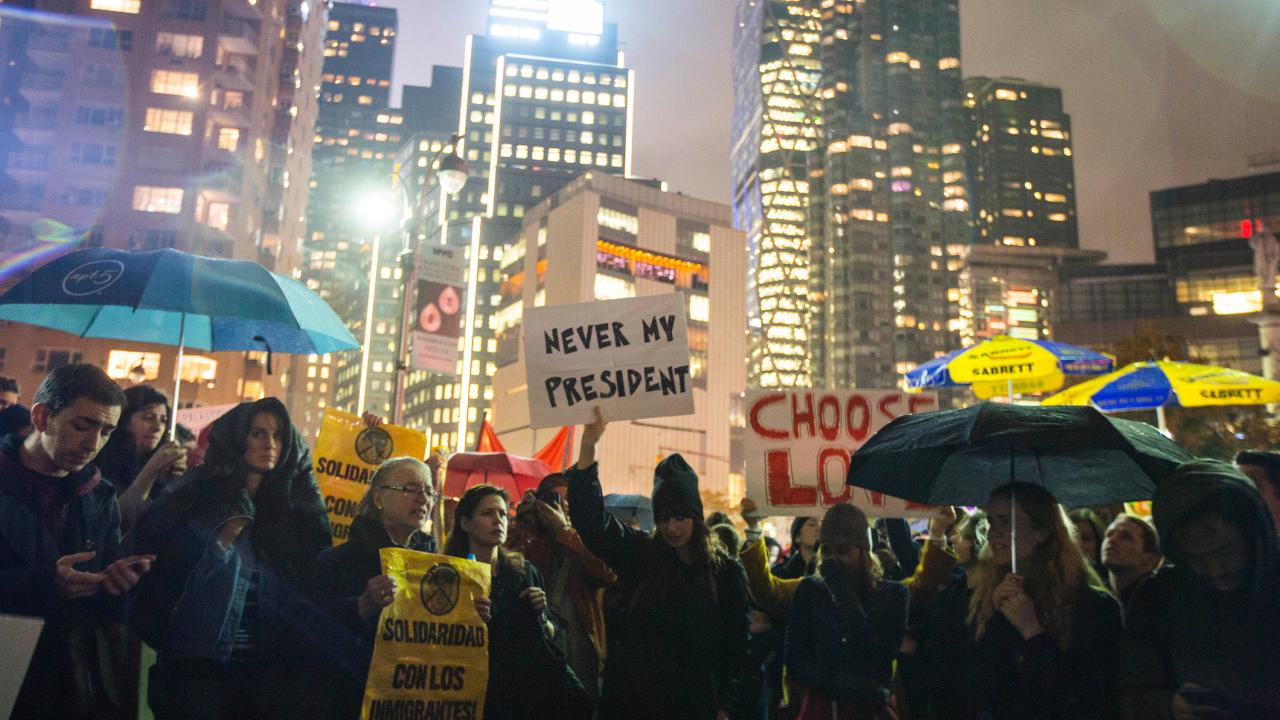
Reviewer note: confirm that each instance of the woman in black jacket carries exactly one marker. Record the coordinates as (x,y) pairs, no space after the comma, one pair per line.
(137,459)
(348,581)
(679,623)
(230,538)
(1041,643)
(529,676)
(845,626)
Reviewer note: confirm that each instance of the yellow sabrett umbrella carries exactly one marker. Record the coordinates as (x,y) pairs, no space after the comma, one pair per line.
(1157,384)
(1005,365)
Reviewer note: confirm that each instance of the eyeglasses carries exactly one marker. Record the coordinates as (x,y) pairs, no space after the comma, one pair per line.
(412,490)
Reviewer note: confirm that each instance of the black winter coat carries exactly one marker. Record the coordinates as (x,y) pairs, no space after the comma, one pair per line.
(1015,679)
(63,679)
(529,676)
(842,650)
(678,638)
(335,581)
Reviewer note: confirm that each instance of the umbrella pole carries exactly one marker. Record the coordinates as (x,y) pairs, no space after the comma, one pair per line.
(1013,528)
(1010,391)
(177,377)
(1160,421)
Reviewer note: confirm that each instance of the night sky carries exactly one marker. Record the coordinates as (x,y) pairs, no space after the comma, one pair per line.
(1161,92)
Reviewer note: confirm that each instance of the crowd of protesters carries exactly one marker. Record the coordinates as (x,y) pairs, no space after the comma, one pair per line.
(113,530)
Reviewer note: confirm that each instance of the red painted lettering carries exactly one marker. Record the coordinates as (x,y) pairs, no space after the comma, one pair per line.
(804,417)
(830,430)
(778,482)
(823,479)
(915,402)
(886,401)
(754,417)
(858,429)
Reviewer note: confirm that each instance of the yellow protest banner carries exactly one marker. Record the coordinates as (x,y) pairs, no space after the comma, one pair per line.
(431,655)
(347,453)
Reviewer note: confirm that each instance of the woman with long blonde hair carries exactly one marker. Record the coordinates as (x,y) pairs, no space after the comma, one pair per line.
(1040,643)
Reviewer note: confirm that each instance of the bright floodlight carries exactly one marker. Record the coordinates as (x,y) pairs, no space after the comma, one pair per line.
(452,173)
(374,209)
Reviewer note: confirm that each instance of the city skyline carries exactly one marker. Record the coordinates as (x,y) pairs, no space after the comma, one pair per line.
(1134,133)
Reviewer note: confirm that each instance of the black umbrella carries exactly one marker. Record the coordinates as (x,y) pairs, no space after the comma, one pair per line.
(957,457)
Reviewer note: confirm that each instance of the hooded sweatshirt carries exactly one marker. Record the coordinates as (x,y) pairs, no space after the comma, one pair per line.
(1180,629)
(42,518)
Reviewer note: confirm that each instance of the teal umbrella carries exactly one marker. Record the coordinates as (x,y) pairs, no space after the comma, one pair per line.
(174,298)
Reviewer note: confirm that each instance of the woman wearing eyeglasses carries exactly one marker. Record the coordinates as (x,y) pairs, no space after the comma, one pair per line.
(348,581)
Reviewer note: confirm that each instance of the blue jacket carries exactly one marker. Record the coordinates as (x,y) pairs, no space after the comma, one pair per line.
(192,601)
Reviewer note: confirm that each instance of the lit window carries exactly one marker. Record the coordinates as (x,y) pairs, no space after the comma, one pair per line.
(1057,217)
(899,128)
(171,82)
(120,363)
(179,46)
(364,100)
(171,122)
(897,58)
(948,63)
(608,287)
(229,139)
(573,96)
(699,308)
(1055,197)
(1006,94)
(147,198)
(219,215)
(133,7)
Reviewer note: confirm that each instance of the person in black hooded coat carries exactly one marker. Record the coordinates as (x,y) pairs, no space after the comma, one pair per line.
(348,582)
(230,538)
(678,629)
(1202,634)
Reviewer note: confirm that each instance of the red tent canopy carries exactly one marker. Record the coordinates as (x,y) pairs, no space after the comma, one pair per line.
(512,473)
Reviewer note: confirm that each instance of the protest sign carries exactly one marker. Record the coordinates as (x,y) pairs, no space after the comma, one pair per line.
(196,419)
(347,454)
(18,636)
(438,312)
(798,444)
(431,652)
(629,357)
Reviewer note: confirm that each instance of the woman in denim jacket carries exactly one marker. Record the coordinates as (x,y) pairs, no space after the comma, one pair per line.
(230,538)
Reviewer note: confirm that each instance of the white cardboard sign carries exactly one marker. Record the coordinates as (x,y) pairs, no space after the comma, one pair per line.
(628,357)
(798,444)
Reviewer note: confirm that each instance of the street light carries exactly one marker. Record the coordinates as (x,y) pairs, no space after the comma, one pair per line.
(374,210)
(451,173)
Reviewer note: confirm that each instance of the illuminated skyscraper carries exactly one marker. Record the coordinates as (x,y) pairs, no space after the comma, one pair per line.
(1020,163)
(357,137)
(546,97)
(868,266)
(777,125)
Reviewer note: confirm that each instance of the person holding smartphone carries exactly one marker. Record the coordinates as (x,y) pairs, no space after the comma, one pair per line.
(1202,634)
(575,578)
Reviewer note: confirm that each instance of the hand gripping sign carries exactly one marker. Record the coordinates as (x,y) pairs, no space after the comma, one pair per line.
(798,444)
(348,452)
(431,654)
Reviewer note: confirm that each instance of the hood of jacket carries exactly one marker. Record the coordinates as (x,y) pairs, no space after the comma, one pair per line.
(79,483)
(1202,485)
